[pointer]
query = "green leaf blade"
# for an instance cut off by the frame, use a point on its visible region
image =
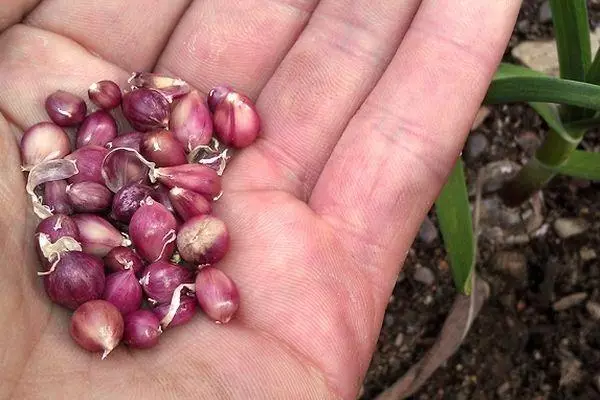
(571, 32)
(581, 164)
(455, 221)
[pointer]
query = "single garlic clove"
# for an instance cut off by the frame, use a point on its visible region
(97, 129)
(88, 160)
(105, 94)
(191, 121)
(146, 109)
(97, 326)
(195, 177)
(152, 230)
(75, 278)
(163, 149)
(130, 140)
(65, 109)
(97, 235)
(128, 199)
(236, 121)
(42, 142)
(188, 204)
(89, 197)
(142, 329)
(161, 278)
(217, 295)
(185, 311)
(203, 239)
(123, 258)
(123, 290)
(55, 197)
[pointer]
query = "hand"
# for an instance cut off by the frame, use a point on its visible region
(365, 107)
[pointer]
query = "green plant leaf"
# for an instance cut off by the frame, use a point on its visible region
(541, 89)
(454, 217)
(549, 113)
(581, 164)
(571, 32)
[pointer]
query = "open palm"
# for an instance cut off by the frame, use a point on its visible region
(365, 106)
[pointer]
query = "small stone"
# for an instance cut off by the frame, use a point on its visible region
(593, 309)
(597, 382)
(570, 371)
(528, 141)
(428, 300)
(389, 320)
(511, 263)
(424, 275)
(399, 340)
(428, 232)
(567, 227)
(476, 145)
(480, 117)
(523, 25)
(587, 254)
(497, 173)
(502, 389)
(401, 277)
(537, 355)
(545, 12)
(569, 301)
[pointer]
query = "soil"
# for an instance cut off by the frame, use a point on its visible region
(519, 347)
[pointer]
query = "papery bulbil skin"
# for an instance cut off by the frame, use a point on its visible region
(130, 140)
(184, 314)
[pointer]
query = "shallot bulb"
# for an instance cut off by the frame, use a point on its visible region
(65, 109)
(203, 239)
(42, 142)
(97, 326)
(105, 94)
(152, 231)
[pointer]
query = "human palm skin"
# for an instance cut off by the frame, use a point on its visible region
(365, 106)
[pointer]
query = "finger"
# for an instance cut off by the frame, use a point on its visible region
(130, 34)
(321, 82)
(393, 158)
(35, 63)
(234, 42)
(13, 11)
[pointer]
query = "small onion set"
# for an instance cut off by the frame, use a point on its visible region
(127, 239)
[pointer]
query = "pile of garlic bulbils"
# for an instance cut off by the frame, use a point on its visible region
(127, 239)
